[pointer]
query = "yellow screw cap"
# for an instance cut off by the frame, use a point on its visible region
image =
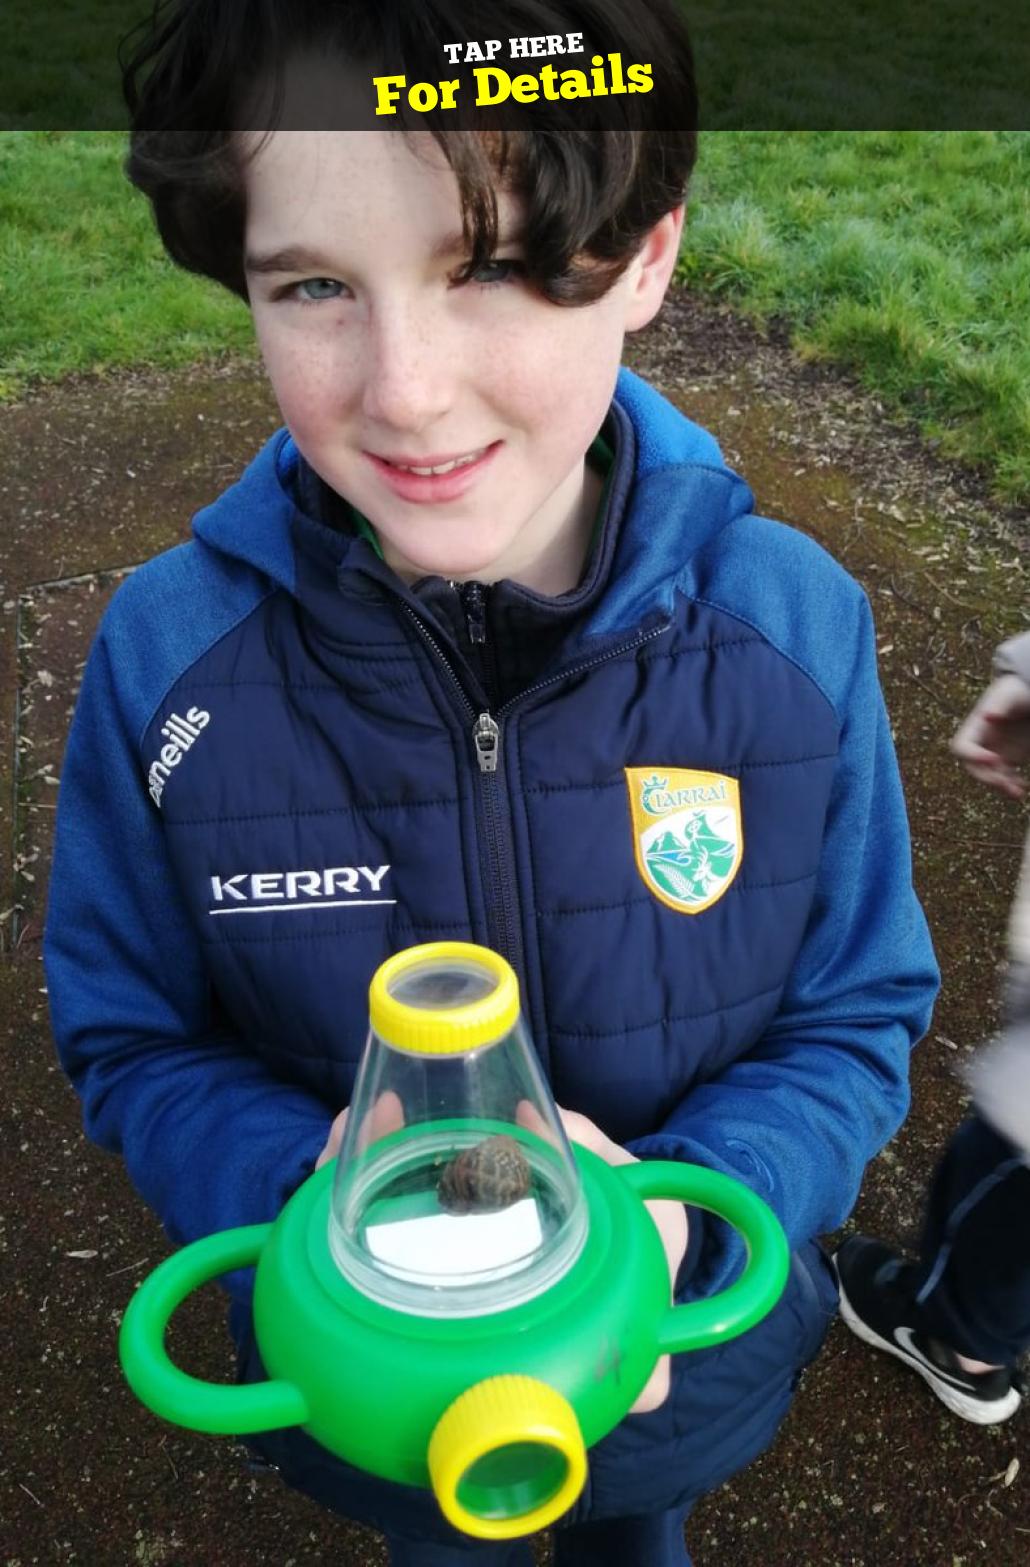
(507, 1458)
(443, 998)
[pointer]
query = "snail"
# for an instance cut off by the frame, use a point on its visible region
(485, 1178)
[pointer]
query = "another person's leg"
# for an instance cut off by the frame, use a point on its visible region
(968, 1297)
(973, 1290)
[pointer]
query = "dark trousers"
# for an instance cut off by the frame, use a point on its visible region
(975, 1254)
(617, 1542)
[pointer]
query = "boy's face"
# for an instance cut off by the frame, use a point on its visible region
(382, 363)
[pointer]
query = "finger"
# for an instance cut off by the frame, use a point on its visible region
(385, 1116)
(1004, 706)
(333, 1141)
(655, 1390)
(986, 764)
(1012, 744)
(1000, 778)
(580, 1129)
(1007, 701)
(529, 1118)
(969, 750)
(972, 726)
(671, 1222)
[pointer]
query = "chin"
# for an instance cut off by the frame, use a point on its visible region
(457, 569)
(458, 563)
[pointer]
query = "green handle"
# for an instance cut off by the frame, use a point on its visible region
(749, 1298)
(173, 1394)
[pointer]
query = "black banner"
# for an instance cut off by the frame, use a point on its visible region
(511, 64)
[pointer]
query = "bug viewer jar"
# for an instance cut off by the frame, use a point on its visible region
(460, 1300)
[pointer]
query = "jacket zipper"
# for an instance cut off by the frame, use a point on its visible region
(473, 597)
(473, 602)
(497, 864)
(495, 811)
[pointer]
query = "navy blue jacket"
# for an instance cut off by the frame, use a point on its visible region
(273, 781)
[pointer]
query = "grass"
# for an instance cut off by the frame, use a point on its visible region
(84, 283)
(58, 64)
(785, 64)
(904, 255)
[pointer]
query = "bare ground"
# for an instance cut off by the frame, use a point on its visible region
(869, 1471)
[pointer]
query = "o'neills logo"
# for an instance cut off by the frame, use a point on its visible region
(179, 733)
(688, 838)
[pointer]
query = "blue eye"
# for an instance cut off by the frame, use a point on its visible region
(496, 271)
(317, 284)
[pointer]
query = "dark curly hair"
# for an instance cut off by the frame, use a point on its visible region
(199, 72)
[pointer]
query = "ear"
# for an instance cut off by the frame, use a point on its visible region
(651, 268)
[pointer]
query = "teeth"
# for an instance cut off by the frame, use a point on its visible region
(446, 467)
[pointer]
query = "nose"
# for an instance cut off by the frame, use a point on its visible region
(409, 369)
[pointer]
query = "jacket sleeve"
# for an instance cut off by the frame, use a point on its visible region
(209, 1137)
(801, 1112)
(1013, 657)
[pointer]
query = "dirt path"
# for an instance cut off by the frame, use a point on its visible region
(868, 1469)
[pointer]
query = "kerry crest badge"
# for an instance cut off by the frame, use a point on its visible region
(687, 834)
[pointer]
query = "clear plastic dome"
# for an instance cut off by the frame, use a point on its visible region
(455, 1192)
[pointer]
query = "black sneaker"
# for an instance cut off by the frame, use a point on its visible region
(876, 1302)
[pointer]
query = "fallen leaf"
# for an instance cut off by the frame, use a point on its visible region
(1004, 1476)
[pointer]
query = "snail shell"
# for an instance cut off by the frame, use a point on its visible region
(484, 1179)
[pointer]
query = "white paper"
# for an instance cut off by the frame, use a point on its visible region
(458, 1247)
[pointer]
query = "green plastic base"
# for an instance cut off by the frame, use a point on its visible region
(377, 1380)
(370, 1382)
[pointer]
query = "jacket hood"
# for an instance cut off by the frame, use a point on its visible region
(682, 494)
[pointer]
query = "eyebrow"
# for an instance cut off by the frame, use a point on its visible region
(298, 258)
(295, 258)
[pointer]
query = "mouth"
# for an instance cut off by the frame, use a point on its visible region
(427, 466)
(433, 476)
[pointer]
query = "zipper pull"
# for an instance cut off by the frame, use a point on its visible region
(473, 602)
(486, 736)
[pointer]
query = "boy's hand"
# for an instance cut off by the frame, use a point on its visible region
(670, 1219)
(333, 1141)
(994, 740)
(385, 1116)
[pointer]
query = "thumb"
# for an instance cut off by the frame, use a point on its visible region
(334, 1140)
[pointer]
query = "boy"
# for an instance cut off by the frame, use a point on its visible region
(486, 644)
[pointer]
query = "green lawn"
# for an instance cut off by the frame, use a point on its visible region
(793, 63)
(905, 255)
(84, 283)
(59, 62)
